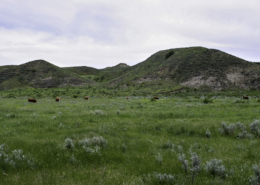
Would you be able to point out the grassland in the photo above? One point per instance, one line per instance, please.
(119, 141)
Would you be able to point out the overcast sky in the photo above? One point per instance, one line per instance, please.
(101, 33)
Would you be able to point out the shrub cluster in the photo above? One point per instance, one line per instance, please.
(216, 168)
(195, 168)
(255, 180)
(15, 160)
(227, 129)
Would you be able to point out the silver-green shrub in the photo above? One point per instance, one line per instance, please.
(244, 133)
(84, 142)
(168, 145)
(95, 141)
(227, 129)
(255, 127)
(196, 160)
(255, 180)
(185, 163)
(241, 126)
(195, 168)
(208, 134)
(68, 144)
(159, 158)
(180, 149)
(164, 178)
(73, 159)
(215, 168)
(93, 150)
(99, 112)
(16, 158)
(98, 141)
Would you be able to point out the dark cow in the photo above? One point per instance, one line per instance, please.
(86, 98)
(245, 98)
(155, 97)
(127, 98)
(57, 99)
(32, 100)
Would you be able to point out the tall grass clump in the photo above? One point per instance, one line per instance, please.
(215, 168)
(227, 129)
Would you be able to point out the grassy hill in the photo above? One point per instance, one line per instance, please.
(164, 71)
(40, 74)
(193, 67)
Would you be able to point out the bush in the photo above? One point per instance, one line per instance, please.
(207, 100)
(208, 134)
(68, 144)
(227, 129)
(243, 134)
(255, 127)
(164, 178)
(191, 171)
(99, 112)
(152, 99)
(93, 145)
(256, 179)
(15, 159)
(168, 145)
(75, 96)
(216, 168)
(95, 141)
(159, 158)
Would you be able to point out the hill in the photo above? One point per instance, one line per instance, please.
(164, 71)
(39, 74)
(193, 67)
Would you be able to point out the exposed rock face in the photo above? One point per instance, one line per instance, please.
(198, 81)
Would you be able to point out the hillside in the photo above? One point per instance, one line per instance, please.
(164, 71)
(39, 74)
(100, 75)
(194, 67)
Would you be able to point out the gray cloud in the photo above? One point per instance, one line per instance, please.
(101, 33)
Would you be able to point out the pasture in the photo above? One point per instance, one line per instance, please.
(135, 141)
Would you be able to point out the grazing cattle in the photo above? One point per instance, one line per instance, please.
(86, 98)
(155, 97)
(32, 100)
(245, 98)
(57, 99)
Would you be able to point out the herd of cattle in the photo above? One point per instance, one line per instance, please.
(56, 99)
(87, 98)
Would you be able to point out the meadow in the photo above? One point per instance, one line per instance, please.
(173, 140)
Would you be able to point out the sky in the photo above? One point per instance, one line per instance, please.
(102, 33)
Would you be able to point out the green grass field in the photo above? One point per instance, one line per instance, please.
(135, 141)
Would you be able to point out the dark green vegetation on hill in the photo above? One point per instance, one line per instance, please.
(40, 74)
(135, 141)
(165, 71)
